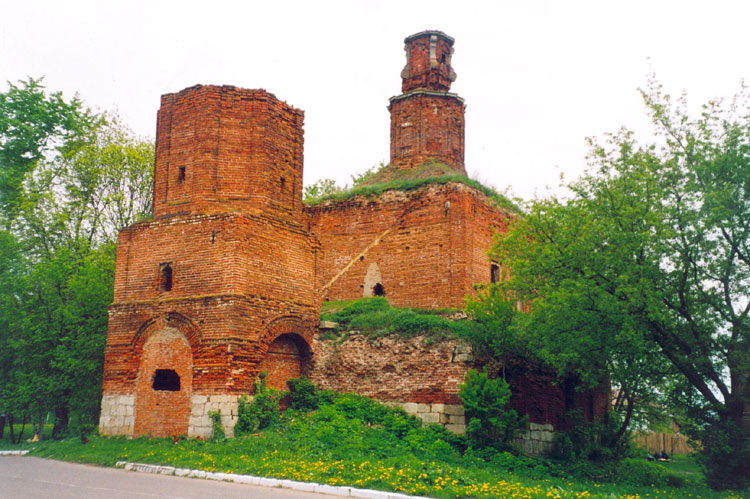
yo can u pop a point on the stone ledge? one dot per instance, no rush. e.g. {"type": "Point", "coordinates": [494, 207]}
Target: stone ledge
{"type": "Point", "coordinates": [266, 482]}
{"type": "Point", "coordinates": [13, 452]}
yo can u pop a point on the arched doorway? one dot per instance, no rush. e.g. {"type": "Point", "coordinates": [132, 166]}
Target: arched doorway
{"type": "Point", "coordinates": [164, 385]}
{"type": "Point", "coordinates": [373, 285]}
{"type": "Point", "coordinates": [287, 358]}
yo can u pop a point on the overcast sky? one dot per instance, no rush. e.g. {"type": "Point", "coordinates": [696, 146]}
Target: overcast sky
{"type": "Point", "coordinates": [538, 76]}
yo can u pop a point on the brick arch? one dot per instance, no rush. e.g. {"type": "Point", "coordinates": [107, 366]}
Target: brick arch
{"type": "Point", "coordinates": [286, 324]}
{"type": "Point", "coordinates": [285, 350]}
{"type": "Point", "coordinates": [173, 320]}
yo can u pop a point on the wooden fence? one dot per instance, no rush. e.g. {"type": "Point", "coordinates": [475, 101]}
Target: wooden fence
{"type": "Point", "coordinates": [673, 443]}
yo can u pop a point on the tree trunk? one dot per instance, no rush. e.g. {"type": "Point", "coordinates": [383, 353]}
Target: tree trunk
{"type": "Point", "coordinates": [2, 425]}
{"type": "Point", "coordinates": [10, 428]}
{"type": "Point", "coordinates": [23, 427]}
{"type": "Point", "coordinates": [40, 426]}
{"type": "Point", "coordinates": [61, 422]}
{"type": "Point", "coordinates": [626, 420]}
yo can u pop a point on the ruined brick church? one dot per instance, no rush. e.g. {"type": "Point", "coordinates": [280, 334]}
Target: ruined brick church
{"type": "Point", "coordinates": [227, 279]}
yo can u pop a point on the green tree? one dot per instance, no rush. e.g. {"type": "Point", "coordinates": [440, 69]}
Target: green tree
{"type": "Point", "coordinates": [643, 271]}
{"type": "Point", "coordinates": [35, 125]}
{"type": "Point", "coordinates": [490, 423]}
{"type": "Point", "coordinates": [85, 179]}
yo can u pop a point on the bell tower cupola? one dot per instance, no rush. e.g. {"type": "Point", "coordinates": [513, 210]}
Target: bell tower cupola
{"type": "Point", "coordinates": [427, 121]}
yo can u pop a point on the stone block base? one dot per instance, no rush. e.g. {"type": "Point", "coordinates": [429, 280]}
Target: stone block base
{"type": "Point", "coordinates": [118, 415]}
{"type": "Point", "coordinates": [537, 440]}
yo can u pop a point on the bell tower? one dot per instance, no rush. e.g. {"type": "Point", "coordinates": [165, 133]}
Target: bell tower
{"type": "Point", "coordinates": [427, 121]}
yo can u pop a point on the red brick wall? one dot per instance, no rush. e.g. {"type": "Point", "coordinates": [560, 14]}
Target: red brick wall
{"type": "Point", "coordinates": [229, 337]}
{"type": "Point", "coordinates": [240, 149]}
{"type": "Point", "coordinates": [427, 126]}
{"type": "Point", "coordinates": [217, 255]}
{"type": "Point", "coordinates": [243, 266]}
{"type": "Point", "coordinates": [433, 254]}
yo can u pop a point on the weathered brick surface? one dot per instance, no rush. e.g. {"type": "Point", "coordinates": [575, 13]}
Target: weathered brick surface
{"type": "Point", "coordinates": [226, 281]}
{"type": "Point", "coordinates": [390, 369]}
{"type": "Point", "coordinates": [427, 126]}
{"type": "Point", "coordinates": [227, 149]}
{"type": "Point", "coordinates": [425, 376]}
{"type": "Point", "coordinates": [428, 62]}
{"type": "Point", "coordinates": [427, 122]}
{"type": "Point", "coordinates": [431, 244]}
{"type": "Point", "coordinates": [241, 266]}
{"type": "Point", "coordinates": [161, 412]}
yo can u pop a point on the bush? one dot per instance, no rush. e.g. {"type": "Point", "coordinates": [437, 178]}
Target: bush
{"type": "Point", "coordinates": [490, 423]}
{"type": "Point", "coordinates": [590, 440]}
{"type": "Point", "coordinates": [303, 394]}
{"type": "Point", "coordinates": [217, 427]}
{"type": "Point", "coordinates": [725, 455]}
{"type": "Point", "coordinates": [260, 412]}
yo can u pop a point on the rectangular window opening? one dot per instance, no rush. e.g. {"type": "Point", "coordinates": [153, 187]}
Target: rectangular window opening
{"type": "Point", "coordinates": [181, 174]}
{"type": "Point", "coordinates": [165, 276]}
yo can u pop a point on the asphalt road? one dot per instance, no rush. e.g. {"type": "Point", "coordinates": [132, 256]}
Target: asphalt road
{"type": "Point", "coordinates": [31, 477]}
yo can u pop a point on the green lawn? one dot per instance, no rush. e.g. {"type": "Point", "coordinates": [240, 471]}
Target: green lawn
{"type": "Point", "coordinates": [28, 434]}
{"type": "Point", "coordinates": [351, 440]}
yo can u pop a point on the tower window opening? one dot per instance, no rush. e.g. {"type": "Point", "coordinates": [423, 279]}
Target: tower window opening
{"type": "Point", "coordinates": [283, 183]}
{"type": "Point", "coordinates": [494, 273]}
{"type": "Point", "coordinates": [165, 276]}
{"type": "Point", "coordinates": [378, 290]}
{"type": "Point", "coordinates": [181, 174]}
{"type": "Point", "coordinates": [166, 380]}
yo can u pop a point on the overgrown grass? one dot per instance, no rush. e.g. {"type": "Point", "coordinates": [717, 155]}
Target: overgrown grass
{"type": "Point", "coordinates": [354, 441]}
{"type": "Point", "coordinates": [409, 184]}
{"type": "Point", "coordinates": [375, 317]}
{"type": "Point", "coordinates": [27, 435]}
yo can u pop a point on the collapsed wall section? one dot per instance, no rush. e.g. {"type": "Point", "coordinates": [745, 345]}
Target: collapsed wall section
{"type": "Point", "coordinates": [424, 376]}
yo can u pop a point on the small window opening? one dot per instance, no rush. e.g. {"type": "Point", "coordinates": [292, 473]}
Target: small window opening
{"type": "Point", "coordinates": [166, 380]}
{"type": "Point", "coordinates": [283, 183]}
{"type": "Point", "coordinates": [494, 273]}
{"type": "Point", "coordinates": [361, 258]}
{"type": "Point", "coordinates": [165, 272]}
{"type": "Point", "coordinates": [378, 290]}
{"type": "Point", "coordinates": [181, 174]}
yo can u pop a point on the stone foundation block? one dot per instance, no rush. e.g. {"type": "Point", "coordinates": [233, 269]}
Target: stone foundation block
{"type": "Point", "coordinates": [456, 428]}
{"type": "Point", "coordinates": [457, 410]}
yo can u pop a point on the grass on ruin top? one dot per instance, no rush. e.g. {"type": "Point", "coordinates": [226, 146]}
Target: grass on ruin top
{"type": "Point", "coordinates": [375, 317]}
{"type": "Point", "coordinates": [411, 180]}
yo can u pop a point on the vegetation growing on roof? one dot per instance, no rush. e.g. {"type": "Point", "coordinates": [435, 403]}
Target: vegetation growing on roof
{"type": "Point", "coordinates": [377, 181]}
{"type": "Point", "coordinates": [375, 317]}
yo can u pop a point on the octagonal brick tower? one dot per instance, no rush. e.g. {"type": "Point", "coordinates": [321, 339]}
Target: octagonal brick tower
{"type": "Point", "coordinates": [220, 285]}
{"type": "Point", "coordinates": [427, 121]}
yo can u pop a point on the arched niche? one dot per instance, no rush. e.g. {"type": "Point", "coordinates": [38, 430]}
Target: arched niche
{"type": "Point", "coordinates": [373, 285]}
{"type": "Point", "coordinates": [163, 384]}
{"type": "Point", "coordinates": [288, 357]}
